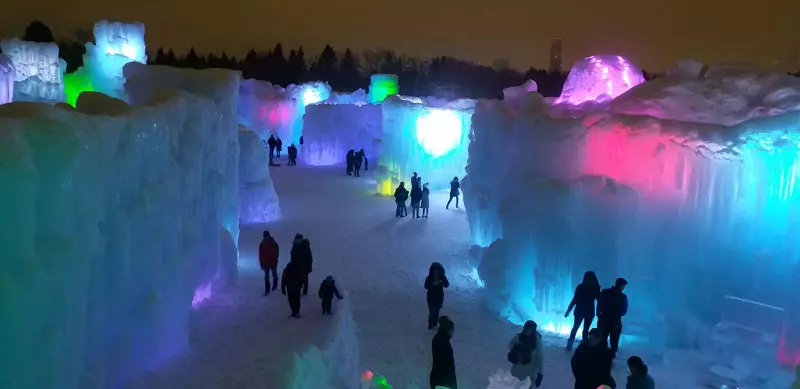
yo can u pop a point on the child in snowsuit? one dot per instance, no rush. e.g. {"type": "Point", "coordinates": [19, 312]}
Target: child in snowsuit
{"type": "Point", "coordinates": [327, 289]}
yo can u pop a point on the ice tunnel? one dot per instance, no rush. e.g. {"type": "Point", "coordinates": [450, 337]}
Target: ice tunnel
{"type": "Point", "coordinates": [599, 78]}
{"type": "Point", "coordinates": [430, 138]}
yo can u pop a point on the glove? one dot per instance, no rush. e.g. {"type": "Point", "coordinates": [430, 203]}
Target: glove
{"type": "Point", "coordinates": [539, 378]}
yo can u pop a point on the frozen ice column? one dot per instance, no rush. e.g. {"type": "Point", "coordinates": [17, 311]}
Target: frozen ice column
{"type": "Point", "coordinates": [7, 75]}
{"type": "Point", "coordinates": [382, 86]}
{"type": "Point", "coordinates": [39, 70]}
{"type": "Point", "coordinates": [258, 202]}
{"type": "Point", "coordinates": [116, 44]}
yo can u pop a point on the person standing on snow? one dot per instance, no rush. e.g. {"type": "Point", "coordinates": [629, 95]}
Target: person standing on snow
{"type": "Point", "coordinates": [328, 289]}
{"type": "Point", "coordinates": [271, 142]}
{"type": "Point", "coordinates": [426, 200]}
{"type": "Point", "coordinates": [279, 146]}
{"type": "Point", "coordinates": [638, 378]}
{"type": "Point", "coordinates": [301, 253]}
{"type": "Point", "coordinates": [400, 197]}
{"type": "Point", "coordinates": [443, 370]}
{"type": "Point", "coordinates": [586, 293]}
{"type": "Point", "coordinates": [292, 152]}
{"type": "Point", "coordinates": [416, 198]}
{"type": "Point", "coordinates": [268, 252]}
{"type": "Point", "coordinates": [611, 307]}
{"type": "Point", "coordinates": [435, 283]}
{"type": "Point", "coordinates": [527, 355]}
{"type": "Point", "coordinates": [292, 285]}
{"type": "Point", "coordinates": [591, 362]}
{"type": "Point", "coordinates": [366, 161]}
{"type": "Point", "coordinates": [350, 159]}
{"type": "Point", "coordinates": [455, 191]}
{"type": "Point", "coordinates": [358, 159]}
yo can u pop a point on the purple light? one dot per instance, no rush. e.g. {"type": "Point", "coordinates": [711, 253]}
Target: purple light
{"type": "Point", "coordinates": [201, 294]}
{"type": "Point", "coordinates": [599, 78]}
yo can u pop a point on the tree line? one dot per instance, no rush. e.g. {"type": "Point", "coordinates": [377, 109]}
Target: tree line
{"type": "Point", "coordinates": [344, 70]}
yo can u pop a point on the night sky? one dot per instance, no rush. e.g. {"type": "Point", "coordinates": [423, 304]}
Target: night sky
{"type": "Point", "coordinates": [653, 36]}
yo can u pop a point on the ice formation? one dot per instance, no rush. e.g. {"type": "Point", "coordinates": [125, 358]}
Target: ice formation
{"type": "Point", "coordinates": [430, 138]}
{"type": "Point", "coordinates": [258, 202]}
{"type": "Point", "coordinates": [7, 77]}
{"type": "Point", "coordinates": [330, 130]}
{"type": "Point", "coordinates": [519, 92]}
{"type": "Point", "coordinates": [502, 379]}
{"type": "Point", "coordinates": [688, 212]}
{"type": "Point", "coordinates": [599, 79]}
{"type": "Point", "coordinates": [39, 70]}
{"type": "Point", "coordinates": [382, 86]}
{"type": "Point", "coordinates": [113, 216]}
{"type": "Point", "coordinates": [116, 44]}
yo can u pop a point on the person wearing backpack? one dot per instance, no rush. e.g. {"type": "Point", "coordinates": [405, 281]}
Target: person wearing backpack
{"type": "Point", "coordinates": [527, 355]}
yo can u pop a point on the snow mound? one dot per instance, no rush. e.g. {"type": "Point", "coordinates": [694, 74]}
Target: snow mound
{"type": "Point", "coordinates": [599, 79]}
{"type": "Point", "coordinates": [723, 94]}
{"type": "Point", "coordinates": [329, 131]}
{"type": "Point", "coordinates": [258, 202]}
{"type": "Point", "coordinates": [634, 196]}
{"type": "Point", "coordinates": [113, 215]}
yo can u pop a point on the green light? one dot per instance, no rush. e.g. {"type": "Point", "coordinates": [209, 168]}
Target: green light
{"type": "Point", "coordinates": [76, 83]}
{"type": "Point", "coordinates": [381, 86]}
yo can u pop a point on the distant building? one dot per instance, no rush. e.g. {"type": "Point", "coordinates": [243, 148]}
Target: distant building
{"type": "Point", "coordinates": [555, 54]}
{"type": "Point", "coordinates": [501, 64]}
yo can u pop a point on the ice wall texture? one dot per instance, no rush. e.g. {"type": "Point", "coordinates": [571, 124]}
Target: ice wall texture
{"type": "Point", "coordinates": [334, 365]}
{"type": "Point", "coordinates": [687, 212]}
{"type": "Point", "coordinates": [330, 130]}
{"type": "Point", "coordinates": [599, 79]}
{"type": "Point", "coordinates": [115, 45]}
{"type": "Point", "coordinates": [258, 202]}
{"type": "Point", "coordinates": [39, 70]}
{"type": "Point", "coordinates": [113, 215]}
{"type": "Point", "coordinates": [428, 137]}
{"type": "Point", "coordinates": [7, 77]}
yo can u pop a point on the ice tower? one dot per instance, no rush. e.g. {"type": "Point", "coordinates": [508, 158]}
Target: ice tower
{"type": "Point", "coordinates": [39, 70]}
{"type": "Point", "coordinates": [382, 86]}
{"type": "Point", "coordinates": [115, 45]}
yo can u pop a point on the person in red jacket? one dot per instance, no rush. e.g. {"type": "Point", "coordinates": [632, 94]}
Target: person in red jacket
{"type": "Point", "coordinates": [268, 252]}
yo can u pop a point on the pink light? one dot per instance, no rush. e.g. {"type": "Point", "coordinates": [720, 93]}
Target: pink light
{"type": "Point", "coordinates": [201, 294]}
{"type": "Point", "coordinates": [786, 355]}
{"type": "Point", "coordinates": [367, 375]}
{"type": "Point", "coordinates": [596, 76]}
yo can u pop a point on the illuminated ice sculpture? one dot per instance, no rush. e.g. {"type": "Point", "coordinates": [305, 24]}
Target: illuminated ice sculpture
{"type": "Point", "coordinates": [305, 94]}
{"type": "Point", "coordinates": [598, 79]}
{"type": "Point", "coordinates": [382, 86]}
{"type": "Point", "coordinates": [116, 44]}
{"type": "Point", "coordinates": [39, 70]}
{"type": "Point", "coordinates": [330, 130]}
{"type": "Point", "coordinates": [429, 138]}
{"type": "Point", "coordinates": [7, 75]}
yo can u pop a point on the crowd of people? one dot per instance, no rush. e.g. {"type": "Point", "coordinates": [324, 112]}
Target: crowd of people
{"type": "Point", "coordinates": [275, 145]}
{"type": "Point", "coordinates": [354, 161]}
{"type": "Point", "coordinates": [420, 197]}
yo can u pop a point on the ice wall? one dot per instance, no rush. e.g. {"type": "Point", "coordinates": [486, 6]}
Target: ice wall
{"type": "Point", "coordinates": [258, 202]}
{"type": "Point", "coordinates": [7, 76]}
{"type": "Point", "coordinates": [330, 130]}
{"type": "Point", "coordinates": [687, 212]}
{"type": "Point", "coordinates": [335, 365]}
{"type": "Point", "coordinates": [113, 215]}
{"type": "Point", "coordinates": [429, 138]}
{"type": "Point", "coordinates": [39, 70]}
{"type": "Point", "coordinates": [115, 45]}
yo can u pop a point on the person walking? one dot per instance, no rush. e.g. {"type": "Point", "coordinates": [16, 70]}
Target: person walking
{"type": "Point", "coordinates": [455, 191]}
{"type": "Point", "coordinates": [435, 284]}
{"type": "Point", "coordinates": [583, 300]}
{"type": "Point", "coordinates": [292, 286]}
{"type": "Point", "coordinates": [268, 253]}
{"type": "Point", "coordinates": [443, 369]}
{"type": "Point", "coordinates": [611, 307]}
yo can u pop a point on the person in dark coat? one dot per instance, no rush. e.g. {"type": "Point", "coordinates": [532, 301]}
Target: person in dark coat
{"type": "Point", "coordinates": [591, 363]}
{"type": "Point", "coordinates": [292, 151]}
{"type": "Point", "coordinates": [586, 293]}
{"type": "Point", "coordinates": [279, 146]}
{"type": "Point", "coordinates": [350, 159]}
{"type": "Point", "coordinates": [416, 198]}
{"type": "Point", "coordinates": [268, 253]}
{"type": "Point", "coordinates": [526, 354]}
{"type": "Point", "coordinates": [435, 283]}
{"type": "Point", "coordinates": [358, 159]}
{"type": "Point", "coordinates": [271, 142]}
{"type": "Point", "coordinates": [292, 285]}
{"type": "Point", "coordinates": [426, 200]}
{"type": "Point", "coordinates": [443, 370]}
{"type": "Point", "coordinates": [327, 290]}
{"type": "Point", "coordinates": [611, 307]}
{"type": "Point", "coordinates": [415, 182]}
{"type": "Point", "coordinates": [366, 161]}
{"type": "Point", "coordinates": [301, 252]}
{"type": "Point", "coordinates": [455, 191]}
{"type": "Point", "coordinates": [400, 197]}
{"type": "Point", "coordinates": [639, 377]}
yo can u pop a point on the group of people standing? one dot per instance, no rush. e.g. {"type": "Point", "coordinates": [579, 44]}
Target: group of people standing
{"type": "Point", "coordinates": [354, 160]}
{"type": "Point", "coordinates": [612, 305]}
{"type": "Point", "coordinates": [275, 145]}
{"type": "Point", "coordinates": [295, 276]}
{"type": "Point", "coordinates": [420, 198]}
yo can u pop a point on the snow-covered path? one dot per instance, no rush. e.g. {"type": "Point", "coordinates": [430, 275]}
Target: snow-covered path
{"type": "Point", "coordinates": [239, 338]}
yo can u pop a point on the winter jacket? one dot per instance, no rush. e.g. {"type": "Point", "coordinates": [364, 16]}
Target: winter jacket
{"type": "Point", "coordinates": [350, 159]}
{"type": "Point", "coordinates": [279, 144]}
{"type": "Point", "coordinates": [416, 195]}
{"type": "Point", "coordinates": [640, 381]}
{"type": "Point", "coordinates": [301, 253]}
{"type": "Point", "coordinates": [292, 150]}
{"type": "Point", "coordinates": [328, 289]}
{"type": "Point", "coordinates": [268, 253]}
{"type": "Point", "coordinates": [358, 159]}
{"type": "Point", "coordinates": [426, 200]}
{"type": "Point", "coordinates": [292, 278]}
{"type": "Point", "coordinates": [612, 304]}
{"type": "Point", "coordinates": [271, 142]}
{"type": "Point", "coordinates": [455, 188]}
{"type": "Point", "coordinates": [443, 371]}
{"type": "Point", "coordinates": [435, 288]}
{"type": "Point", "coordinates": [591, 366]}
{"type": "Point", "coordinates": [415, 183]}
{"type": "Point", "coordinates": [583, 299]}
{"type": "Point", "coordinates": [530, 356]}
{"type": "Point", "coordinates": [401, 194]}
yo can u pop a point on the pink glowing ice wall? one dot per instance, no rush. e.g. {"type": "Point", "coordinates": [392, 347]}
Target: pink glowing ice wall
{"type": "Point", "coordinates": [599, 78]}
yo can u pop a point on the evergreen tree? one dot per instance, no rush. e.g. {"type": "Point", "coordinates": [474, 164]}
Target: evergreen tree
{"type": "Point", "coordinates": [250, 64]}
{"type": "Point", "coordinates": [38, 32]}
{"type": "Point", "coordinates": [349, 74]}
{"type": "Point", "coordinates": [326, 66]}
{"type": "Point", "coordinates": [160, 58]}
{"type": "Point", "coordinates": [276, 66]}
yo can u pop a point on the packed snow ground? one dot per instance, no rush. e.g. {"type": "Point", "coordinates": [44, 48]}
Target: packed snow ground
{"type": "Point", "coordinates": [240, 339]}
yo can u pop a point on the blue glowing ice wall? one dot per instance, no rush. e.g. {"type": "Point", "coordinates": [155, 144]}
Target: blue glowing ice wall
{"type": "Point", "coordinates": [39, 72]}
{"type": "Point", "coordinates": [305, 94]}
{"type": "Point", "coordinates": [430, 139]}
{"type": "Point", "coordinates": [330, 130]}
{"type": "Point", "coordinates": [116, 44]}
{"type": "Point", "coordinates": [689, 213]}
